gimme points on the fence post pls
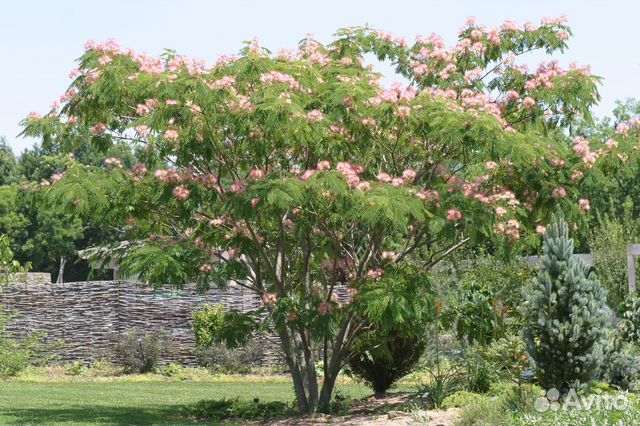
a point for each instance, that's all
(633, 250)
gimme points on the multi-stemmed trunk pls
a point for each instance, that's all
(301, 359)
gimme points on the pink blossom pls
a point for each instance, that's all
(494, 37)
(559, 192)
(576, 175)
(224, 82)
(180, 192)
(206, 267)
(397, 181)
(403, 111)
(269, 298)
(307, 174)
(623, 129)
(611, 143)
(142, 130)
(541, 229)
(254, 202)
(383, 177)
(374, 274)
(529, 102)
(491, 165)
(364, 186)
(454, 215)
(273, 77)
(388, 255)
(409, 174)
(315, 116)
(325, 308)
(584, 204)
(139, 168)
(99, 129)
(324, 165)
(239, 186)
(428, 195)
(171, 135)
(256, 174)
(512, 95)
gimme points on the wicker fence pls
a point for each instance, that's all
(86, 318)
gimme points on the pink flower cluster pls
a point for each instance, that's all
(544, 75)
(145, 108)
(352, 173)
(274, 77)
(582, 148)
(171, 135)
(113, 161)
(454, 215)
(173, 176)
(624, 127)
(511, 229)
(180, 192)
(584, 204)
(315, 116)
(396, 94)
(406, 179)
(99, 129)
(223, 83)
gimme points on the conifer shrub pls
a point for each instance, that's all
(565, 314)
(384, 357)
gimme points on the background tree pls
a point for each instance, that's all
(300, 177)
(41, 233)
(7, 163)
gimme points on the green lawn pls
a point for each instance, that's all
(129, 402)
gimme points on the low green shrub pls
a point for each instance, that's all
(483, 411)
(460, 399)
(74, 369)
(218, 358)
(441, 382)
(222, 409)
(382, 358)
(497, 406)
(622, 368)
(173, 370)
(629, 326)
(479, 372)
(139, 351)
(508, 357)
(608, 245)
(15, 355)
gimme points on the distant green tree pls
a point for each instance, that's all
(7, 162)
(41, 233)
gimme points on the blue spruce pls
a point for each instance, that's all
(565, 314)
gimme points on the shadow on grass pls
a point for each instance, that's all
(100, 415)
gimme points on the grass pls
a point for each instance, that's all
(140, 400)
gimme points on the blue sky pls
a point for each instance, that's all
(39, 40)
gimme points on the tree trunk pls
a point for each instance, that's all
(301, 363)
(60, 279)
(330, 376)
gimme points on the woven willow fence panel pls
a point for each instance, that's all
(86, 318)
